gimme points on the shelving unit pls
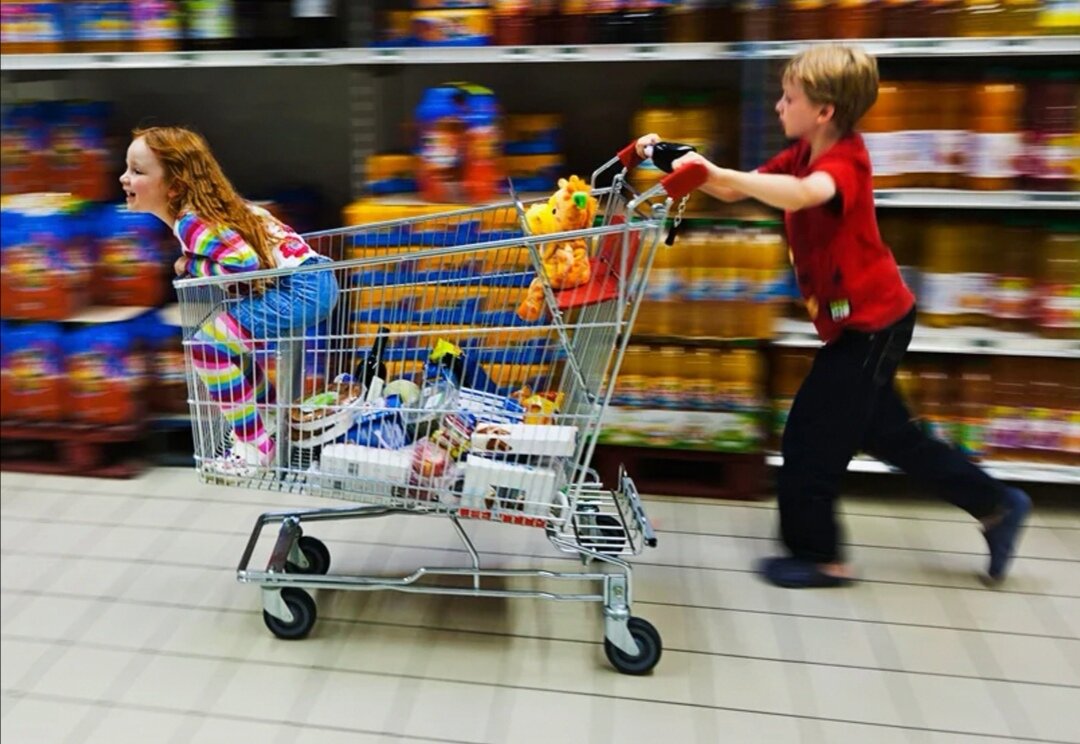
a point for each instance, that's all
(961, 199)
(364, 92)
(680, 52)
(800, 334)
(1029, 472)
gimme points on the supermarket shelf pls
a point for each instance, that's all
(1028, 472)
(108, 313)
(962, 199)
(170, 315)
(800, 334)
(549, 53)
(933, 47)
(145, 60)
(703, 342)
(997, 46)
(373, 56)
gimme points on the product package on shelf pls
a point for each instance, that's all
(728, 280)
(106, 374)
(57, 146)
(1009, 131)
(34, 385)
(132, 258)
(45, 257)
(1009, 274)
(711, 399)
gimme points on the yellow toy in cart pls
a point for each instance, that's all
(566, 263)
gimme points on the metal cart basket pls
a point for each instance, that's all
(419, 390)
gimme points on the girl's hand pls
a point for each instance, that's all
(646, 141)
(180, 267)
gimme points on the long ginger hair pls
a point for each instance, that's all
(195, 182)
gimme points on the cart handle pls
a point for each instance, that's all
(628, 156)
(684, 179)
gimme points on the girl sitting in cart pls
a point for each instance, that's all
(172, 174)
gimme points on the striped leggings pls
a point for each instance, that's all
(223, 356)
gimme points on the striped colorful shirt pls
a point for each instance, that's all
(214, 250)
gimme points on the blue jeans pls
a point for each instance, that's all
(294, 303)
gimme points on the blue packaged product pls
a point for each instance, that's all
(105, 374)
(33, 384)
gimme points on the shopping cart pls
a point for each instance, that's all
(424, 393)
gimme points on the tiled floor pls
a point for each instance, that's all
(122, 622)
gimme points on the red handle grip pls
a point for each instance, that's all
(683, 180)
(628, 156)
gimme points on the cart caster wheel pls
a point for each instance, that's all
(650, 648)
(302, 607)
(316, 553)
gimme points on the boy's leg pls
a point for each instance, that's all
(217, 354)
(821, 436)
(893, 437)
(825, 428)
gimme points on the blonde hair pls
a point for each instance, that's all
(845, 77)
(195, 182)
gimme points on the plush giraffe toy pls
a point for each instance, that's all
(565, 263)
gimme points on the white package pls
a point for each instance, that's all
(508, 487)
(368, 463)
(525, 439)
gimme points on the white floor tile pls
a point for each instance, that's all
(122, 621)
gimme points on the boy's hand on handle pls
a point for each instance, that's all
(644, 145)
(180, 267)
(692, 157)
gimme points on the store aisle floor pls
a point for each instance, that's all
(122, 622)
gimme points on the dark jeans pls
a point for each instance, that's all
(849, 402)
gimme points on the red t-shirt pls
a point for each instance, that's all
(846, 274)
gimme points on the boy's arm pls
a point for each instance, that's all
(716, 188)
(775, 189)
(779, 190)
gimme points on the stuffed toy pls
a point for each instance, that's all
(565, 263)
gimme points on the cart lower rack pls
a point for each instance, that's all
(437, 366)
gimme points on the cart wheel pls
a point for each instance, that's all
(302, 607)
(316, 553)
(648, 640)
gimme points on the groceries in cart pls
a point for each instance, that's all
(565, 263)
(454, 437)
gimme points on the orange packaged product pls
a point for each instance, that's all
(883, 131)
(938, 402)
(976, 394)
(790, 368)
(804, 19)
(1059, 282)
(1008, 417)
(994, 139)
(853, 19)
(949, 135)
